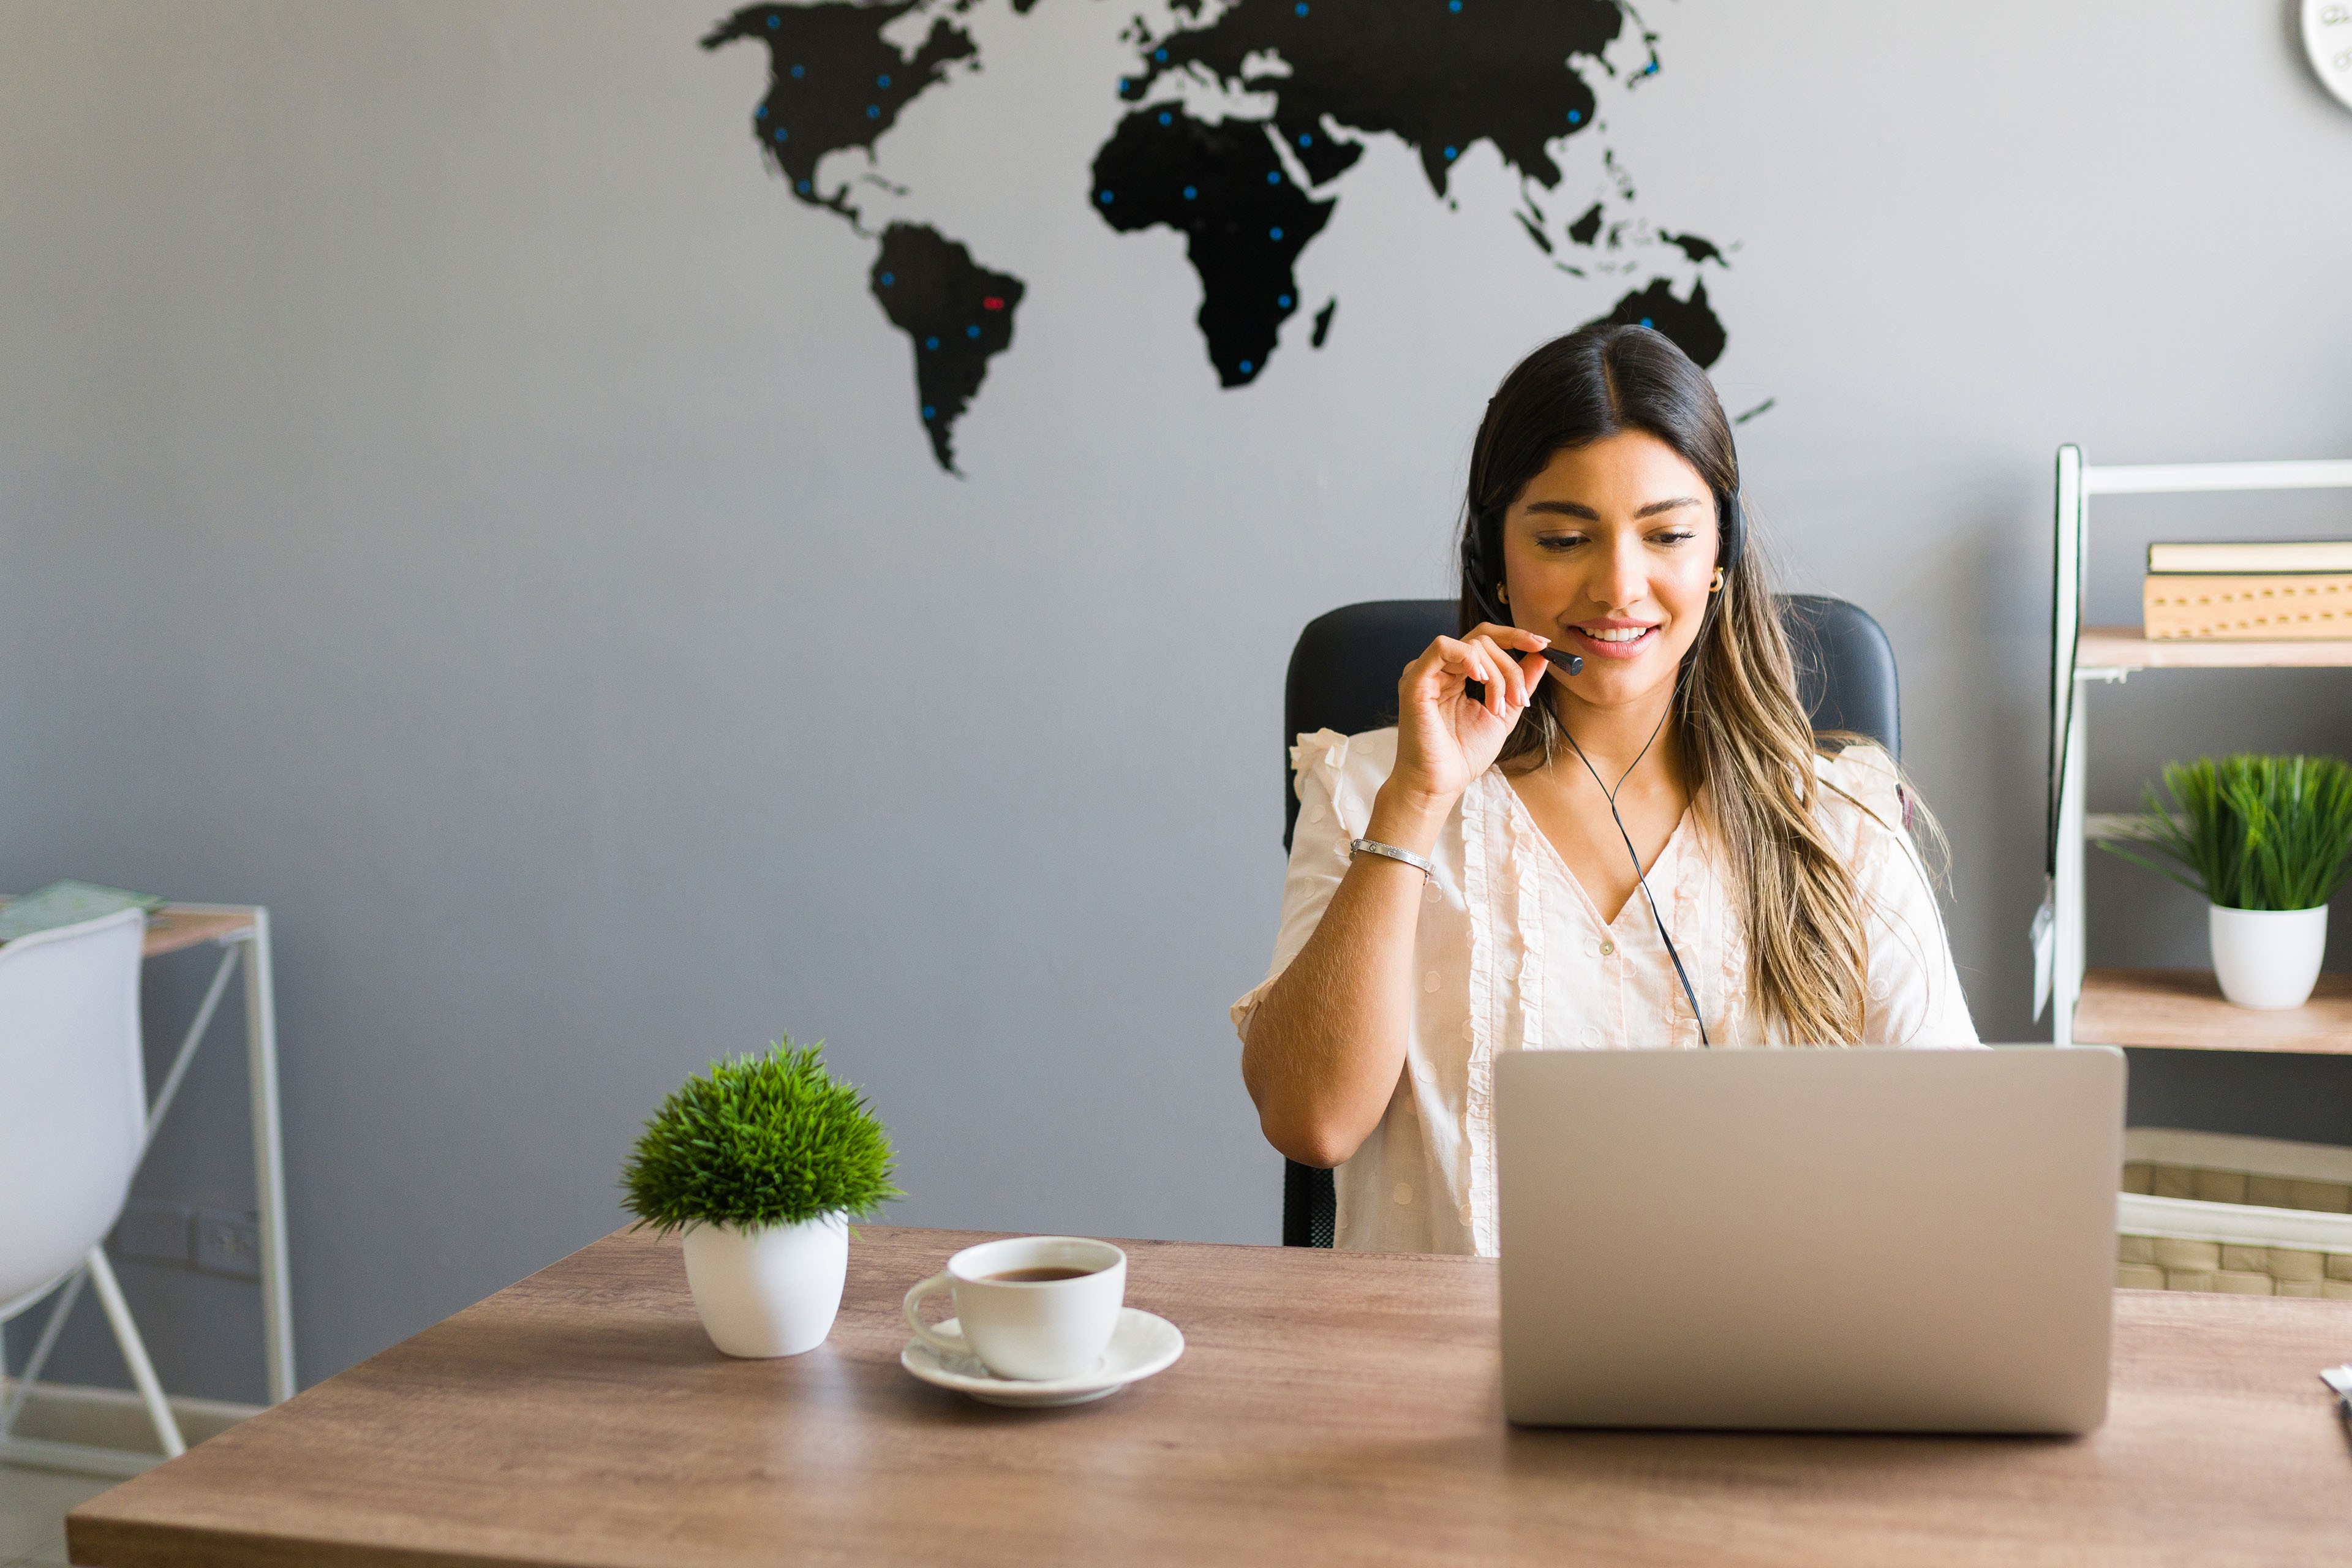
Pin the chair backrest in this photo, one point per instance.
(1343, 676)
(73, 1094)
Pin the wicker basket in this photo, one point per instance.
(2248, 1216)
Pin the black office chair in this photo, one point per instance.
(1343, 677)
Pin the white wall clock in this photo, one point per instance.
(2327, 39)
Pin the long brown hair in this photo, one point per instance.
(1737, 715)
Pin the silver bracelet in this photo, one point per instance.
(1374, 847)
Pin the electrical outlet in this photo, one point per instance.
(229, 1243)
(151, 1232)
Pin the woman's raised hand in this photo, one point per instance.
(1445, 737)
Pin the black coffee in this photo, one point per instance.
(1037, 1275)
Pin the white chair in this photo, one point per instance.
(73, 1091)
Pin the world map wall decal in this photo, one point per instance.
(1249, 187)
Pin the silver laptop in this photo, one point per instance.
(1855, 1240)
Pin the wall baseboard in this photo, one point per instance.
(103, 1431)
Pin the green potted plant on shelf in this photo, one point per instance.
(762, 1163)
(2268, 841)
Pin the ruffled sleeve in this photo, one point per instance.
(1913, 988)
(1336, 777)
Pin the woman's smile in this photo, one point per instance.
(1614, 639)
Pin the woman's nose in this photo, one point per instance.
(1625, 579)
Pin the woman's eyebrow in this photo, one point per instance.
(1577, 509)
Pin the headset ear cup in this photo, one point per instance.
(1482, 582)
(1734, 517)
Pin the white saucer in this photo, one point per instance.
(1140, 1345)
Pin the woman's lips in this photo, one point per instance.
(1617, 646)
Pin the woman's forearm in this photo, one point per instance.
(1328, 1039)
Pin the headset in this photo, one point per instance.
(1485, 584)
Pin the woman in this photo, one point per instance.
(1779, 895)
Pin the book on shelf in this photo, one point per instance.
(2250, 606)
(2252, 590)
(2252, 555)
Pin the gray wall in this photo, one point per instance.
(449, 494)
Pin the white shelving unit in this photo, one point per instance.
(2175, 1009)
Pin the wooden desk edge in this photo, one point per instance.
(176, 927)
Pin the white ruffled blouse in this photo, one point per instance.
(1512, 955)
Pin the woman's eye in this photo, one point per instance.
(1557, 542)
(1681, 536)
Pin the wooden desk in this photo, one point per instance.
(1329, 1407)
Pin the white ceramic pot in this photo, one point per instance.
(2267, 958)
(768, 1293)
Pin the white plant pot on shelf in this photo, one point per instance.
(2267, 958)
(768, 1293)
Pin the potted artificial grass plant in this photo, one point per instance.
(2268, 841)
(763, 1162)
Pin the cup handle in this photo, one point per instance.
(946, 1344)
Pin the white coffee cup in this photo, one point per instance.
(1034, 1329)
